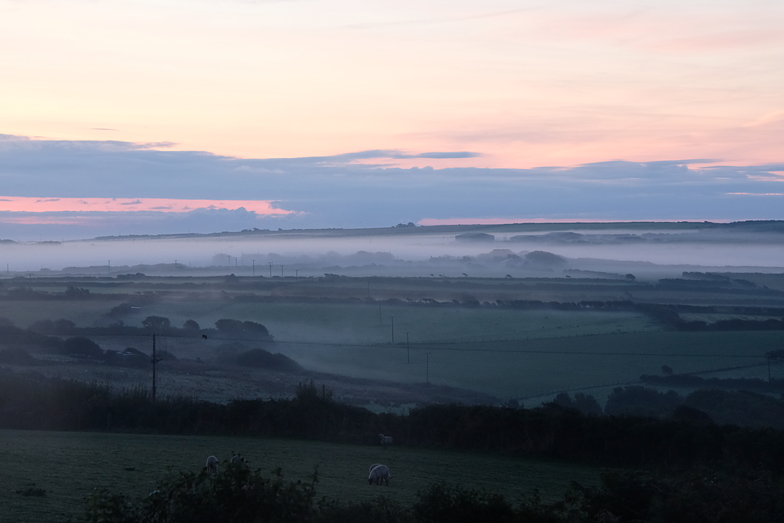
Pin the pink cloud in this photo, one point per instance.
(40, 205)
(756, 193)
(666, 31)
(35, 220)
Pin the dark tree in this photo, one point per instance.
(261, 358)
(191, 325)
(81, 346)
(156, 323)
(587, 404)
(226, 325)
(640, 401)
(76, 293)
(120, 310)
(239, 329)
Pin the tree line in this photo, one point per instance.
(551, 431)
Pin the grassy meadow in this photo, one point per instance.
(68, 466)
(506, 353)
(363, 323)
(528, 368)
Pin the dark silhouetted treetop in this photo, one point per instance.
(544, 258)
(242, 329)
(83, 347)
(156, 323)
(263, 359)
(191, 325)
(76, 293)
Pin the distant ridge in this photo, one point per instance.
(762, 226)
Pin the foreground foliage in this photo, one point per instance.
(235, 494)
(239, 495)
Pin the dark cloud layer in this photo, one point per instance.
(336, 191)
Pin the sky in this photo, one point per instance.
(166, 116)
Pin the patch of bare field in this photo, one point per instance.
(222, 383)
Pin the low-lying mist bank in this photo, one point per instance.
(644, 249)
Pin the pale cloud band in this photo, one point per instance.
(84, 189)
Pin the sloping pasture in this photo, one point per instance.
(68, 466)
(523, 368)
(370, 323)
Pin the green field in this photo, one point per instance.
(517, 369)
(70, 465)
(347, 323)
(505, 353)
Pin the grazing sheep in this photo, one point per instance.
(374, 465)
(379, 475)
(212, 465)
(386, 441)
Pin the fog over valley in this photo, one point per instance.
(503, 261)
(419, 251)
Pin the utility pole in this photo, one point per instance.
(270, 264)
(296, 273)
(154, 361)
(408, 350)
(281, 270)
(110, 267)
(393, 329)
(254, 267)
(427, 368)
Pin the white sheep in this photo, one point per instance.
(212, 465)
(386, 441)
(379, 475)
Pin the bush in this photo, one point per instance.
(585, 403)
(450, 504)
(242, 329)
(260, 358)
(641, 401)
(235, 495)
(82, 347)
(156, 323)
(191, 325)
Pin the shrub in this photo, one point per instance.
(243, 329)
(82, 347)
(191, 325)
(235, 495)
(260, 358)
(450, 504)
(156, 323)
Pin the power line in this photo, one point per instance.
(435, 347)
